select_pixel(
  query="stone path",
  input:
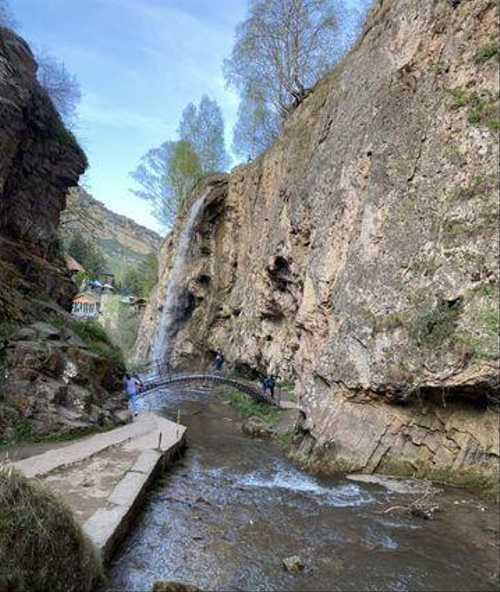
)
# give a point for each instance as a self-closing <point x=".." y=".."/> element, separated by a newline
<point x="103" y="478"/>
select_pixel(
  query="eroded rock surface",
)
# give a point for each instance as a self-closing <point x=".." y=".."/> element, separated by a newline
<point x="50" y="382"/>
<point x="357" y="257"/>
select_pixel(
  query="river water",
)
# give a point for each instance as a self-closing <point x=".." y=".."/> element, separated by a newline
<point x="229" y="512"/>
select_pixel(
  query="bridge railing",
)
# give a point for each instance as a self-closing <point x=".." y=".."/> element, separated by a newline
<point x="162" y="381"/>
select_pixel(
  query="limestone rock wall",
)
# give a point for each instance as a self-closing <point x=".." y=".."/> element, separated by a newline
<point x="358" y="256"/>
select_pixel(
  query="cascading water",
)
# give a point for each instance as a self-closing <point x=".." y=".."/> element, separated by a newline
<point x="173" y="310"/>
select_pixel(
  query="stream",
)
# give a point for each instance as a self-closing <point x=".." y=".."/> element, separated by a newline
<point x="227" y="514"/>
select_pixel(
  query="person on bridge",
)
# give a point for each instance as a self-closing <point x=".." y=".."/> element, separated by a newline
<point x="219" y="361"/>
<point x="269" y="383"/>
<point x="132" y="386"/>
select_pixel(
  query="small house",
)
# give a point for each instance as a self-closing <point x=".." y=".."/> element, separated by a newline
<point x="73" y="266"/>
<point x="86" y="306"/>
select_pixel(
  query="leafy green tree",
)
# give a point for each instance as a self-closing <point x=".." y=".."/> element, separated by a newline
<point x="184" y="170"/>
<point x="203" y="128"/>
<point x="140" y="279"/>
<point x="87" y="254"/>
<point x="165" y="177"/>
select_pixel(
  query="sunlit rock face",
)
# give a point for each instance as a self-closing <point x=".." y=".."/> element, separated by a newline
<point x="119" y="238"/>
<point x="357" y="257"/>
<point x="39" y="161"/>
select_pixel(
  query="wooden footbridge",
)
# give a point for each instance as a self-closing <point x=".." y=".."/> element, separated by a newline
<point x="158" y="376"/>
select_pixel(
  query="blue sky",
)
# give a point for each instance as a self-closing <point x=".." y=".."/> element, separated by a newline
<point x="139" y="62"/>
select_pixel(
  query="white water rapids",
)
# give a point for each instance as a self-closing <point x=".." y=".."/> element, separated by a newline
<point x="172" y="307"/>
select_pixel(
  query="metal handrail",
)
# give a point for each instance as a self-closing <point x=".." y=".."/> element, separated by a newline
<point x="161" y="381"/>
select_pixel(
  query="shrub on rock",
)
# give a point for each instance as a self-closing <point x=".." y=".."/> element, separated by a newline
<point x="42" y="547"/>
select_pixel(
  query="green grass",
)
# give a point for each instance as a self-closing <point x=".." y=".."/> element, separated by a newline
<point x="433" y="327"/>
<point x="247" y="407"/>
<point x="486" y="53"/>
<point x="42" y="547"/>
<point x="482" y="108"/>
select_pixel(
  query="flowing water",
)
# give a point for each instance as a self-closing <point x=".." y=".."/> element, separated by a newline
<point x="228" y="513"/>
<point x="172" y="308"/>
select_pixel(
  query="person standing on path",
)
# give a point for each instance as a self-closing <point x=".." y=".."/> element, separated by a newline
<point x="219" y="361"/>
<point x="132" y="384"/>
<point x="268" y="383"/>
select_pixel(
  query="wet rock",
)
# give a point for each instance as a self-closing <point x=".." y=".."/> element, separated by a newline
<point x="174" y="587"/>
<point x="395" y="485"/>
<point x="288" y="422"/>
<point x="425" y="512"/>
<point x="257" y="428"/>
<point x="46" y="331"/>
<point x="293" y="564"/>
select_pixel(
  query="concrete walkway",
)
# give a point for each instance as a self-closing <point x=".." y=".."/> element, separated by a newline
<point x="104" y="478"/>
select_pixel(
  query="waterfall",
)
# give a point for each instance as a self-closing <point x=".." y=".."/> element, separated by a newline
<point x="172" y="313"/>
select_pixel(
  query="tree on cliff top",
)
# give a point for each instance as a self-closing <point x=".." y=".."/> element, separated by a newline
<point x="62" y="86"/>
<point x="166" y="176"/>
<point x="284" y="47"/>
<point x="203" y="128"/>
<point x="281" y="51"/>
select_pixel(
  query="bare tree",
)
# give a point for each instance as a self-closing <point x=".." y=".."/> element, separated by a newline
<point x="284" y="47"/>
<point x="203" y="128"/>
<point x="62" y="87"/>
<point x="257" y="126"/>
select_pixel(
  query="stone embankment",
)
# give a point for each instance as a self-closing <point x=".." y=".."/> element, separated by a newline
<point x="104" y="478"/>
<point x="357" y="257"/>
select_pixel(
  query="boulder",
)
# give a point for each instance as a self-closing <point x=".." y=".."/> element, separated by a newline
<point x="257" y="428"/>
<point x="293" y="564"/>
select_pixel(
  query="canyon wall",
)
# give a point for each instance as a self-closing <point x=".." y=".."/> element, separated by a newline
<point x="357" y="257"/>
<point x="55" y="376"/>
<point x="39" y="160"/>
<point x="121" y="240"/>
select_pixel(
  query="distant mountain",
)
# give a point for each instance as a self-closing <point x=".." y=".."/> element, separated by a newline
<point x="121" y="240"/>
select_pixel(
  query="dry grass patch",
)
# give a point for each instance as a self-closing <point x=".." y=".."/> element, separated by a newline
<point x="42" y="547"/>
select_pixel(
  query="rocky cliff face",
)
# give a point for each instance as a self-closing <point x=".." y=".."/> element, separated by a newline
<point x="39" y="160"/>
<point x="120" y="239"/>
<point x="51" y="380"/>
<point x="357" y="257"/>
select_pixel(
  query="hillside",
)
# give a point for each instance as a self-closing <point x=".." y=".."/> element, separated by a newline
<point x="119" y="238"/>
<point x="357" y="257"/>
